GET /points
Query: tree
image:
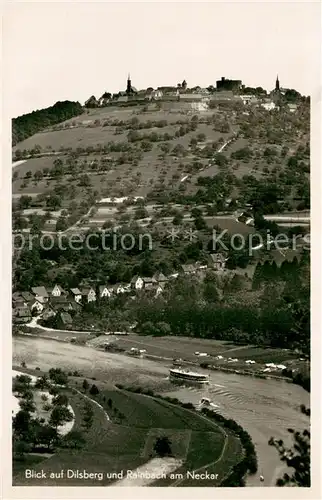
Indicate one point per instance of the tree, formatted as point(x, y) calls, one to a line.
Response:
point(162, 447)
point(20, 448)
point(94, 390)
point(27, 405)
point(85, 385)
point(42, 383)
point(297, 458)
point(84, 180)
point(47, 435)
point(21, 423)
point(24, 202)
point(59, 416)
point(58, 376)
point(38, 175)
point(60, 400)
point(21, 384)
point(53, 202)
point(74, 439)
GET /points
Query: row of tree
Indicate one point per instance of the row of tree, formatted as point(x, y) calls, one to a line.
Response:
point(29, 124)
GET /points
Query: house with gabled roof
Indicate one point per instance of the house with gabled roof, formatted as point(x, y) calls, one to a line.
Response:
point(88, 294)
point(217, 261)
point(55, 291)
point(36, 305)
point(22, 315)
point(61, 302)
point(66, 319)
point(105, 99)
point(137, 283)
point(188, 268)
point(48, 312)
point(40, 293)
point(27, 296)
point(76, 294)
point(149, 283)
point(104, 291)
point(159, 289)
point(160, 278)
point(17, 297)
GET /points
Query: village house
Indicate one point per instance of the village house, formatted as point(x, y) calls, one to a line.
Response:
point(27, 296)
point(217, 261)
point(160, 278)
point(22, 315)
point(61, 303)
point(188, 269)
point(19, 303)
point(155, 94)
point(122, 288)
point(92, 102)
point(292, 107)
point(76, 294)
point(104, 291)
point(268, 105)
point(40, 293)
point(149, 283)
point(137, 283)
point(88, 294)
point(105, 99)
point(17, 298)
point(248, 99)
point(36, 305)
point(56, 291)
point(65, 319)
point(48, 312)
point(159, 289)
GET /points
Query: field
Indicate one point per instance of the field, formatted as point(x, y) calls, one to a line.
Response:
point(112, 447)
point(185, 348)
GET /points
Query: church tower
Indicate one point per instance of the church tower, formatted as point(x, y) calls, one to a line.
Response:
point(277, 84)
point(129, 85)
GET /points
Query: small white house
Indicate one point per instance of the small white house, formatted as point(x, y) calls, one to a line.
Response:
point(89, 294)
point(77, 295)
point(104, 291)
point(292, 107)
point(37, 305)
point(57, 291)
point(137, 283)
point(269, 105)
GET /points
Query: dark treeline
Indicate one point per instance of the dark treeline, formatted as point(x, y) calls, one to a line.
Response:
point(29, 124)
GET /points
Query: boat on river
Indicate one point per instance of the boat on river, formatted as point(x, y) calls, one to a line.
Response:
point(183, 375)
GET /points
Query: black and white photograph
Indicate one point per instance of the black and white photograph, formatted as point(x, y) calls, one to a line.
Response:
point(161, 244)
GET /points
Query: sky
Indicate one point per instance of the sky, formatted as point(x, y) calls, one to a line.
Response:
point(68, 50)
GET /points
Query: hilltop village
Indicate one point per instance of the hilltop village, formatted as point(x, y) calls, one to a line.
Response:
point(225, 90)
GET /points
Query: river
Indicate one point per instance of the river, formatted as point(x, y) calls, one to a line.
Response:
point(264, 408)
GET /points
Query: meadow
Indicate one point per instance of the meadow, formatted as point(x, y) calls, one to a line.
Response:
point(112, 447)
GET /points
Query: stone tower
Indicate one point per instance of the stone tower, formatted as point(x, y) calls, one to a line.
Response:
point(129, 85)
point(277, 84)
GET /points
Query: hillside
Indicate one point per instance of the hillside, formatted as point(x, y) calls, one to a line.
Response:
point(165, 154)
